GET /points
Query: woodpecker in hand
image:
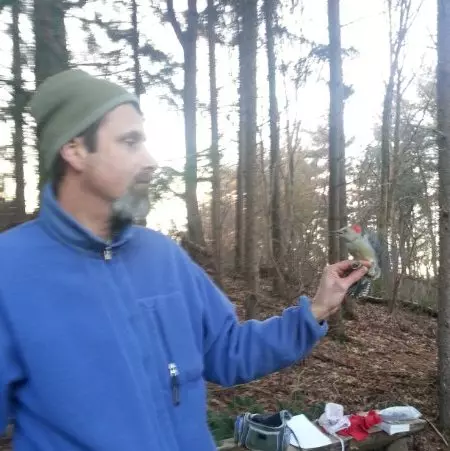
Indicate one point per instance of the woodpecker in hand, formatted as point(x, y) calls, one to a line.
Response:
point(362, 247)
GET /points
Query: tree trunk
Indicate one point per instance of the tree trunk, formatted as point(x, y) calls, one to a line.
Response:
point(289, 181)
point(214, 151)
point(394, 170)
point(396, 42)
point(383, 213)
point(443, 142)
point(336, 145)
point(398, 278)
point(290, 231)
point(188, 40)
point(290, 196)
point(195, 228)
point(266, 247)
point(51, 54)
point(248, 134)
point(19, 105)
point(240, 182)
point(239, 228)
point(429, 213)
point(137, 79)
point(138, 85)
point(349, 311)
point(275, 207)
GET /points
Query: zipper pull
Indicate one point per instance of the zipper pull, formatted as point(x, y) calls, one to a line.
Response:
point(107, 252)
point(174, 383)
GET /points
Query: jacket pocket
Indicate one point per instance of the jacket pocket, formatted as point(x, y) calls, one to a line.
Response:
point(169, 321)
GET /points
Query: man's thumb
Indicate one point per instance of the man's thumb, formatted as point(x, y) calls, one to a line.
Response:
point(356, 275)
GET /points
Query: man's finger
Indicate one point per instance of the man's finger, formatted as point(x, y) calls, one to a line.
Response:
point(355, 275)
point(346, 265)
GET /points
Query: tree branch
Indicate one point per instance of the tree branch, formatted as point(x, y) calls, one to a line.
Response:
point(77, 4)
point(176, 194)
point(173, 20)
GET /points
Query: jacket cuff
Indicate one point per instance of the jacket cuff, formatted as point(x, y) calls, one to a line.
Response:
point(321, 327)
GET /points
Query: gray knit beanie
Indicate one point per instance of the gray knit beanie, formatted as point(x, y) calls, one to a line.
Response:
point(67, 103)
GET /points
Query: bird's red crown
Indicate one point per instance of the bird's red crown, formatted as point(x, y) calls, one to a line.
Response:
point(356, 228)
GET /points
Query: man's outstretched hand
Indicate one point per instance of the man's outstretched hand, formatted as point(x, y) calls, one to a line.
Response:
point(334, 283)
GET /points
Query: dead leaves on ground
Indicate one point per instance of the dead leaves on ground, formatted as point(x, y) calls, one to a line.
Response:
point(385, 361)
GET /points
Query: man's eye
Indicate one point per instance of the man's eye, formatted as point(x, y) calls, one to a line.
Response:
point(130, 142)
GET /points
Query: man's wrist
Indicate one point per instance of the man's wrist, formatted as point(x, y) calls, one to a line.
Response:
point(319, 312)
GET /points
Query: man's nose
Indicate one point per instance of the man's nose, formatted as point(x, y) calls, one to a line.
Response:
point(149, 162)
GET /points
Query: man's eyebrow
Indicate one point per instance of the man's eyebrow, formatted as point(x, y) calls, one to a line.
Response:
point(133, 134)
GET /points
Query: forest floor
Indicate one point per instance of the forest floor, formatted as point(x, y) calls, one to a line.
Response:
point(385, 360)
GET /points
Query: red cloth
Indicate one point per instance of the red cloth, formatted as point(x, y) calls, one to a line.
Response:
point(360, 424)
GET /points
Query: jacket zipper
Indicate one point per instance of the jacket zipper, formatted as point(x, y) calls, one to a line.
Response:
point(174, 373)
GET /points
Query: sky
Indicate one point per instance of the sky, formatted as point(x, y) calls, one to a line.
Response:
point(364, 26)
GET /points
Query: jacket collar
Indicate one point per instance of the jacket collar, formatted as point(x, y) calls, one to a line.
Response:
point(67, 230)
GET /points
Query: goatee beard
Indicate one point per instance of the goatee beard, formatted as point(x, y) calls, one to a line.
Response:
point(132, 207)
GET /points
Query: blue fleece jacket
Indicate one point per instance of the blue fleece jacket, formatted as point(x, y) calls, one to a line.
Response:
point(106, 347)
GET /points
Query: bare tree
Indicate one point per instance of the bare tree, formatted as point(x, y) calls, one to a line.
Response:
point(240, 181)
point(275, 207)
point(214, 151)
point(443, 141)
point(336, 144)
point(51, 54)
point(20, 99)
point(135, 47)
point(248, 91)
point(398, 30)
point(188, 41)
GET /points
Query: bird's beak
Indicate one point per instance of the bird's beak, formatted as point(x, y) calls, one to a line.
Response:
point(337, 232)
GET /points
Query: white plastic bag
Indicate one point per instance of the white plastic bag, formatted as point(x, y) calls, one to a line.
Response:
point(333, 418)
point(400, 413)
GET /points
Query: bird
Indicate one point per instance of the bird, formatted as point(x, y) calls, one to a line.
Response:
point(362, 247)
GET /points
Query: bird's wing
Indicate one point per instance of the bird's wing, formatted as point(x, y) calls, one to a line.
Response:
point(374, 241)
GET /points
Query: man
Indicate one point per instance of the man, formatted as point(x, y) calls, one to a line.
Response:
point(108, 330)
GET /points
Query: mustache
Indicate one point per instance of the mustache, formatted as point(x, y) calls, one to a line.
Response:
point(144, 177)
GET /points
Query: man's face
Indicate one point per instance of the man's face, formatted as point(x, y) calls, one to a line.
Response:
point(120, 168)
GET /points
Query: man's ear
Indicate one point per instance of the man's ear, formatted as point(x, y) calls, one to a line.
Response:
point(74, 154)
